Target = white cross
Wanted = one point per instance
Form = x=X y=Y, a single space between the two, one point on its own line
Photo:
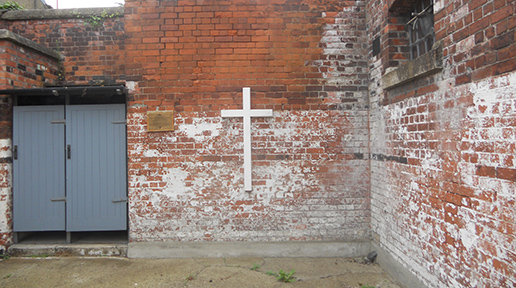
x=247 y=113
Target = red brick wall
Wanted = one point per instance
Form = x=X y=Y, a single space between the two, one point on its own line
x=94 y=55
x=443 y=169
x=438 y=193
x=303 y=59
x=5 y=171
x=20 y=67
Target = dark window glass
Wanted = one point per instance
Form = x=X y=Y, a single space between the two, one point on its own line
x=421 y=28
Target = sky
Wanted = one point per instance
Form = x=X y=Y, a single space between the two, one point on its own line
x=65 y=4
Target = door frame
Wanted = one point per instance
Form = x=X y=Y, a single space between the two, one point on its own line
x=78 y=95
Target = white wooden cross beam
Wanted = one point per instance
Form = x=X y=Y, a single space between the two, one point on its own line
x=247 y=113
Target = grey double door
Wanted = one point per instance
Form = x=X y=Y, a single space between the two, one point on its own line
x=69 y=168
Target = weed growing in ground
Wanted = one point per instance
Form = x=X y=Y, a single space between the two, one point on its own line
x=189 y=278
x=255 y=267
x=283 y=276
x=286 y=277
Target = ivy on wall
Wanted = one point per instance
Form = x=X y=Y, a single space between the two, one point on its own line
x=11 y=5
x=96 y=20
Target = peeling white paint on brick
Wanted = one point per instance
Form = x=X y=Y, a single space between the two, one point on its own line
x=459 y=13
x=175 y=179
x=490 y=197
x=5 y=148
x=131 y=86
x=468 y=235
x=438 y=5
x=292 y=199
x=151 y=153
x=200 y=129
x=4 y=210
x=281 y=173
x=494 y=89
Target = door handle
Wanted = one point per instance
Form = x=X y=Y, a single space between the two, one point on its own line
x=63 y=199
x=118 y=200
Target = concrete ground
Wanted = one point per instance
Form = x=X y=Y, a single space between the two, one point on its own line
x=230 y=272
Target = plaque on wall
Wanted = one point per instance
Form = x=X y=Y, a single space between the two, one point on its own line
x=159 y=121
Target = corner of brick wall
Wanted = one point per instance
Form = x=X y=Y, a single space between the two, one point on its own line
x=93 y=53
x=92 y=56
x=443 y=169
x=21 y=67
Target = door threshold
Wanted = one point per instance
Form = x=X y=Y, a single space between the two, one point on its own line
x=62 y=237
x=65 y=250
x=54 y=244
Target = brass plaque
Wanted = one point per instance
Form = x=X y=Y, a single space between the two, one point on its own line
x=158 y=121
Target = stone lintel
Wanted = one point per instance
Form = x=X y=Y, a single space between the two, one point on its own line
x=425 y=65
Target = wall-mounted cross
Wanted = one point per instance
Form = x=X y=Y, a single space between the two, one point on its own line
x=247 y=113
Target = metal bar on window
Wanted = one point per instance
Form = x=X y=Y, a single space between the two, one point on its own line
x=418 y=15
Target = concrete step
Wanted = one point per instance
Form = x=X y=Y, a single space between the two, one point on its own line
x=51 y=250
x=44 y=244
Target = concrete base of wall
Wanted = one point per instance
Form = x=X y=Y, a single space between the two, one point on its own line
x=59 y=250
x=395 y=269
x=246 y=249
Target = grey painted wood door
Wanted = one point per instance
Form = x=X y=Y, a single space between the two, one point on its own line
x=84 y=163
x=38 y=169
x=96 y=169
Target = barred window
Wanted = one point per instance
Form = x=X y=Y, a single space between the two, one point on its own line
x=421 y=28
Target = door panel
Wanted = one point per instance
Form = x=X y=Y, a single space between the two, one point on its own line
x=96 y=170
x=38 y=169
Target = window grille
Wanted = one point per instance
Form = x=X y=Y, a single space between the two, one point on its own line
x=421 y=28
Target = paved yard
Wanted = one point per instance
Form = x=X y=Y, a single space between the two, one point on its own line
x=231 y=272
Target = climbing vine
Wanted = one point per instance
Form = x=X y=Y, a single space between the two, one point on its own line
x=11 y=5
x=96 y=20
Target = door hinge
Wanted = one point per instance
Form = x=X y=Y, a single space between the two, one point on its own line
x=123 y=122
x=15 y=152
x=60 y=121
x=63 y=199
x=68 y=151
x=118 y=200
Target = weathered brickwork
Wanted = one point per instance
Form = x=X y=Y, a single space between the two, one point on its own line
x=188 y=186
x=426 y=168
x=443 y=174
x=93 y=53
x=24 y=68
x=5 y=176
x=180 y=49
x=306 y=61
x=20 y=67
